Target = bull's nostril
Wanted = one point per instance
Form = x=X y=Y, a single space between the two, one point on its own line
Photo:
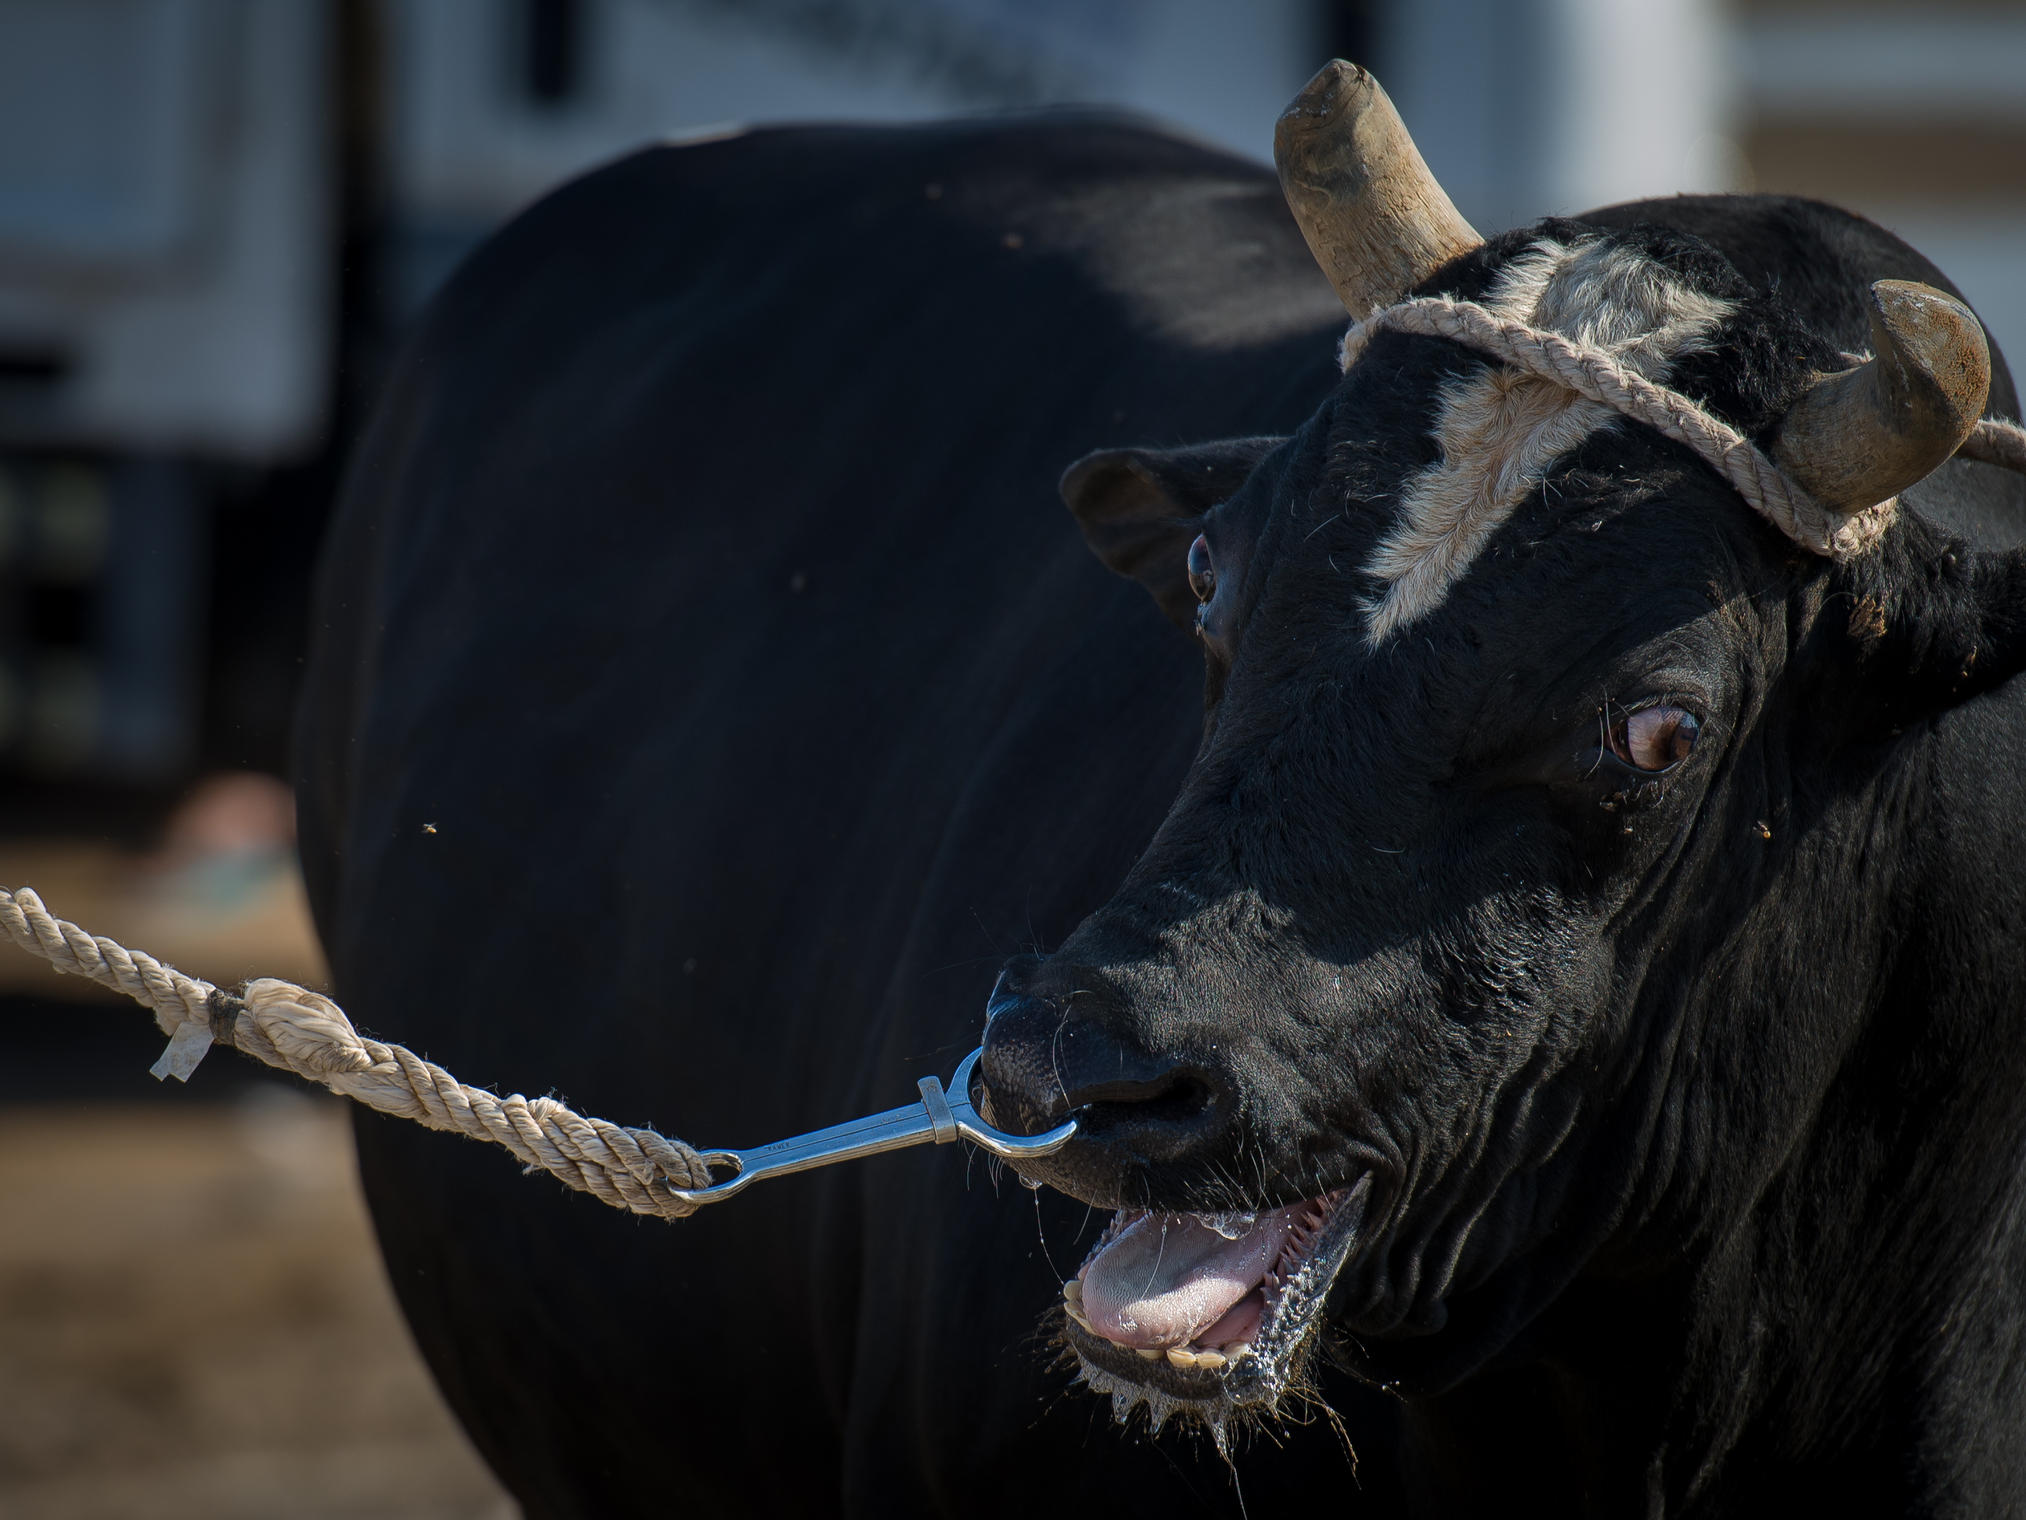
x=1166 y=1115
x=1017 y=1073
x=1043 y=1063
x=1010 y=987
x=1173 y=1096
x=1187 y=1100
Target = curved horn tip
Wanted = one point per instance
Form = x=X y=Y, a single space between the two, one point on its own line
x=1937 y=346
x=1374 y=217
x=1328 y=91
x=1860 y=437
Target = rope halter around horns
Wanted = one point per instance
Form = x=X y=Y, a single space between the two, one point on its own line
x=1601 y=377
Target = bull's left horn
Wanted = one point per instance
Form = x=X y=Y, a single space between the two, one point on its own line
x=1863 y=435
x=1374 y=217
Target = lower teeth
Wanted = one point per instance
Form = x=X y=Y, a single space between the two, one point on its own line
x=1202 y=1358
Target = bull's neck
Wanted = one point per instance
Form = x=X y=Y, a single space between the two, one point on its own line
x=1849 y=1102
x=1840 y=1326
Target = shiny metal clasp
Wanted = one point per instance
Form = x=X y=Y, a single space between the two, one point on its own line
x=939 y=1118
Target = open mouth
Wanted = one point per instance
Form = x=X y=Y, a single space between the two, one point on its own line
x=1207 y=1312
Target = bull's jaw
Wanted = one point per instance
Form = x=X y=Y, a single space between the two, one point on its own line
x=1304 y=1250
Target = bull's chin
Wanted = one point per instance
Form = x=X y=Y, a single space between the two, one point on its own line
x=1208 y=1316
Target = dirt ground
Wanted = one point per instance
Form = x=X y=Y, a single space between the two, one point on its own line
x=194 y=1323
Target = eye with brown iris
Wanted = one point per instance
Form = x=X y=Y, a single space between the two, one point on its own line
x=1655 y=738
x=1202 y=573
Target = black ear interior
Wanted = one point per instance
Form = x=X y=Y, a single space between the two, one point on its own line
x=1140 y=508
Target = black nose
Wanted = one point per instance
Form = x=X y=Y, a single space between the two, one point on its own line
x=1045 y=1059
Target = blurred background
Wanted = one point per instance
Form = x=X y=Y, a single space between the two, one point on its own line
x=217 y=218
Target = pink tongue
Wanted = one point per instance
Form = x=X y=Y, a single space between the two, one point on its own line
x=1166 y=1277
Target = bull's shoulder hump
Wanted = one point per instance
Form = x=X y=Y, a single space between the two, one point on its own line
x=1144 y=231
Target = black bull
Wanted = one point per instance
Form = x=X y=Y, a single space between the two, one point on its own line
x=710 y=697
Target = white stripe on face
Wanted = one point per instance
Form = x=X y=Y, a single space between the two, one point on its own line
x=1499 y=432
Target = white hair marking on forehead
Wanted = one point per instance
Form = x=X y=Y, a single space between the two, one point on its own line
x=1499 y=431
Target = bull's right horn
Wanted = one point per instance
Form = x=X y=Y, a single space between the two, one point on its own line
x=1374 y=217
x=1863 y=435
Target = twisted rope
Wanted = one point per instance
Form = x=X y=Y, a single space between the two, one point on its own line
x=305 y=1033
x=1600 y=376
x=1999 y=443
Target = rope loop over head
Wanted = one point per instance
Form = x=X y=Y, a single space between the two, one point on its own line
x=304 y=1032
x=1601 y=377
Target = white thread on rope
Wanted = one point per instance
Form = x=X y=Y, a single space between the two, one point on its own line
x=306 y=1033
x=1603 y=378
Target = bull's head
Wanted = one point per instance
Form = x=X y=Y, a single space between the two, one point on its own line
x=1523 y=743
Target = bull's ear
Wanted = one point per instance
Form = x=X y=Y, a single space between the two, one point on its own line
x=1140 y=508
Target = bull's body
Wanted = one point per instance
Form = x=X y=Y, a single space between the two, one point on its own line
x=704 y=584
x=711 y=694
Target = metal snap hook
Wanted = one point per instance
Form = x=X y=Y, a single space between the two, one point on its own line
x=939 y=1118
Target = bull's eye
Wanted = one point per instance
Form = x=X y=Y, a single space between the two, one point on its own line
x=1202 y=573
x=1655 y=738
